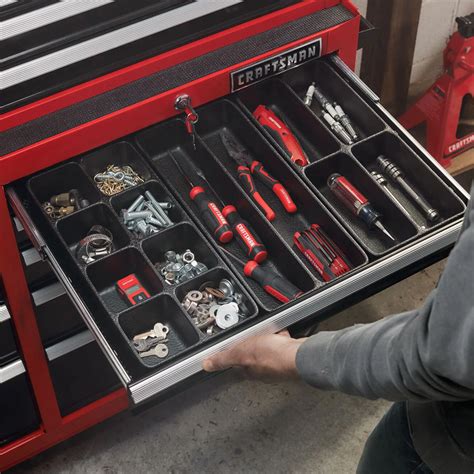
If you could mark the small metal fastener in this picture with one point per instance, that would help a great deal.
(153, 221)
(140, 199)
(155, 203)
(226, 287)
(165, 205)
(170, 256)
(131, 216)
(227, 316)
(194, 296)
(188, 256)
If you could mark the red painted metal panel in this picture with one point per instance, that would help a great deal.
(160, 62)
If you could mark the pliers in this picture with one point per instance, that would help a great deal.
(247, 168)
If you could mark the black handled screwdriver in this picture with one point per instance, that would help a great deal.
(271, 281)
(211, 214)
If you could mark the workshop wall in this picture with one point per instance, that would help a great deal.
(437, 23)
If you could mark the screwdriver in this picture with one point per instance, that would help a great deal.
(272, 282)
(397, 175)
(246, 236)
(211, 214)
(354, 200)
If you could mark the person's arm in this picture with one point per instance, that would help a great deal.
(426, 354)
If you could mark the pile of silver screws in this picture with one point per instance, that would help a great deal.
(153, 342)
(116, 179)
(215, 307)
(179, 268)
(147, 216)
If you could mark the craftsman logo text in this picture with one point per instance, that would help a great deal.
(275, 65)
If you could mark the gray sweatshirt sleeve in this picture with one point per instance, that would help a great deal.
(421, 355)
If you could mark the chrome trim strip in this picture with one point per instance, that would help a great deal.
(4, 3)
(144, 389)
(423, 151)
(4, 313)
(31, 256)
(113, 39)
(347, 71)
(88, 319)
(44, 16)
(18, 224)
(68, 345)
(48, 293)
(11, 371)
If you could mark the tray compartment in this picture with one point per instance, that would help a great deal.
(158, 141)
(416, 172)
(118, 153)
(104, 274)
(317, 141)
(213, 277)
(225, 117)
(179, 238)
(392, 217)
(364, 120)
(126, 199)
(164, 309)
(61, 179)
(75, 227)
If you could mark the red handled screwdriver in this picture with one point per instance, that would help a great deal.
(247, 167)
(210, 212)
(246, 236)
(354, 200)
(282, 134)
(272, 282)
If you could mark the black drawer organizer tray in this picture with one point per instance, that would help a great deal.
(149, 152)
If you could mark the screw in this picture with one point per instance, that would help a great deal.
(153, 221)
(165, 205)
(131, 216)
(160, 211)
(136, 203)
(141, 228)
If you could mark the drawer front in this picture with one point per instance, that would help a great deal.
(17, 408)
(80, 372)
(373, 259)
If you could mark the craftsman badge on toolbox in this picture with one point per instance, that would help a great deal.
(276, 64)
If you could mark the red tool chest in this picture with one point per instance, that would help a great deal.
(127, 90)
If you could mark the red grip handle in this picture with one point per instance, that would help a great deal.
(247, 238)
(285, 198)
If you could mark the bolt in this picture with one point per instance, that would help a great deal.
(131, 216)
(152, 209)
(136, 203)
(165, 205)
(156, 205)
(153, 221)
(141, 228)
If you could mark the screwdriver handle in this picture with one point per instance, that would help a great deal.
(273, 283)
(248, 184)
(212, 216)
(247, 238)
(280, 191)
(353, 199)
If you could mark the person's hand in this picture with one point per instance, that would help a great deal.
(272, 356)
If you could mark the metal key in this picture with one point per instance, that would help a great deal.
(159, 331)
(160, 351)
(143, 345)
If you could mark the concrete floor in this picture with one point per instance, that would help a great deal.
(233, 425)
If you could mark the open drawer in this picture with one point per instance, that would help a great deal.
(373, 260)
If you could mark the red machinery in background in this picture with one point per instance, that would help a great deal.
(441, 106)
